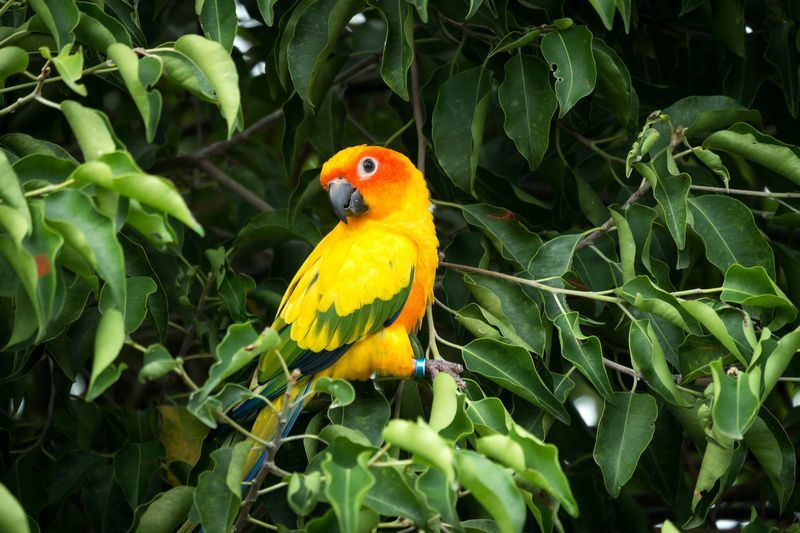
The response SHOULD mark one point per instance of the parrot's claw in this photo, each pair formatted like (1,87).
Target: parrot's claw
(434,366)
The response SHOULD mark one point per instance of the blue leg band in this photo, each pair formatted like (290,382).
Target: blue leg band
(419,367)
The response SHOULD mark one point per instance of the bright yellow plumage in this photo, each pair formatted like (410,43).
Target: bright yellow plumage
(350,308)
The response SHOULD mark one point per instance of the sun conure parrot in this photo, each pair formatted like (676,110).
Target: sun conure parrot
(350,308)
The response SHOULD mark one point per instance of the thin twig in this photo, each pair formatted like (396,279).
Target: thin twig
(418,118)
(37,90)
(608,224)
(259,203)
(592,145)
(269,464)
(745,192)
(257,127)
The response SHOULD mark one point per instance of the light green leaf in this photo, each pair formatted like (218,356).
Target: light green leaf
(303,491)
(494,488)
(714,163)
(13,518)
(753,287)
(642,294)
(315,33)
(92,235)
(69,67)
(157,363)
(107,344)
(218,19)
(139,75)
(60,17)
(570,51)
(11,194)
(736,401)
(398,49)
(445,401)
(391,496)
(422,8)
(218,494)
(730,234)
(13,60)
(709,318)
(220,71)
(624,431)
(346,486)
(460,108)
(627,246)
(165,512)
(744,140)
(648,358)
(528,103)
(512,368)
(606,10)
(91,128)
(423,441)
(340,390)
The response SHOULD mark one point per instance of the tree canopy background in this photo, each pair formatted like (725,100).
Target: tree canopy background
(616,190)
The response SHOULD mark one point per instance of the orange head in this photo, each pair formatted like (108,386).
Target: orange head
(371,182)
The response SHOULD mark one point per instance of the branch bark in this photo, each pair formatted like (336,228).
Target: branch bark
(209,168)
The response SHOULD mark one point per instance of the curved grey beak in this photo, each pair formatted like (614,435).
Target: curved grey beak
(345,199)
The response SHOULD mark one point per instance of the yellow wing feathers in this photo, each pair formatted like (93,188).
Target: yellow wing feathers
(352,283)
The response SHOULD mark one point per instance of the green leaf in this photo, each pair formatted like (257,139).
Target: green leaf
(303,491)
(513,41)
(642,294)
(69,67)
(648,358)
(153,191)
(461,107)
(60,17)
(220,71)
(554,258)
(533,460)
(710,319)
(391,496)
(445,401)
(139,289)
(614,84)
(92,235)
(13,518)
(422,8)
(340,390)
(736,401)
(489,416)
(439,494)
(511,238)
(774,358)
(721,463)
(218,494)
(240,346)
(107,344)
(624,431)
(773,449)
(494,488)
(398,49)
(134,465)
(627,246)
(743,140)
(315,33)
(157,363)
(754,287)
(702,114)
(218,19)
(528,103)
(347,484)
(511,367)
(570,51)
(13,60)
(139,75)
(714,163)
(91,128)
(423,441)
(11,193)
(584,352)
(606,10)
(266,8)
(165,512)
(509,308)
(783,55)
(729,233)
(671,193)
(94,33)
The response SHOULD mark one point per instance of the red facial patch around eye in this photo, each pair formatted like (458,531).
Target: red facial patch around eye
(42,265)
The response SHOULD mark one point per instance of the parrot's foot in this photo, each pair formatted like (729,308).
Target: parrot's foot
(434,366)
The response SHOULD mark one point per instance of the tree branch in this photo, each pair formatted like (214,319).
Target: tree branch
(209,168)
(33,95)
(258,126)
(608,224)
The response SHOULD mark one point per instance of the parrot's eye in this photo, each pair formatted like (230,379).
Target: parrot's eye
(367,167)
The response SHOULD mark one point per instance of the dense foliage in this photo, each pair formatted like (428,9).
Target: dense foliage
(614,189)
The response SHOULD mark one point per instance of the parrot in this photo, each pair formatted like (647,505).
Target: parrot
(351,307)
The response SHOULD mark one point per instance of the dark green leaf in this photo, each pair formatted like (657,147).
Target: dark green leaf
(398,46)
(218,19)
(570,52)
(218,493)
